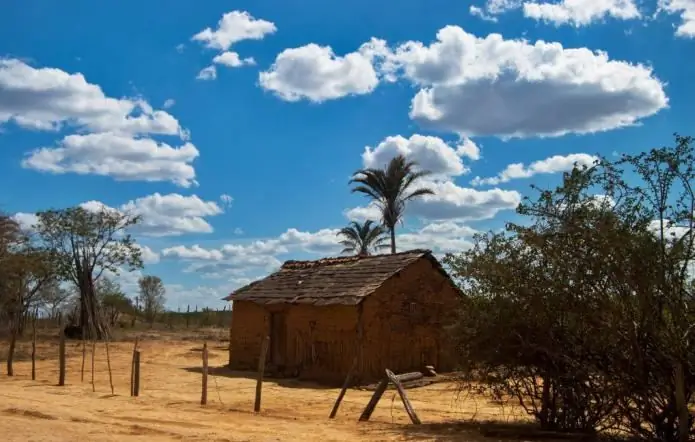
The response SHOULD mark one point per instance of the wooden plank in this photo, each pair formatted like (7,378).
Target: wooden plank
(369,409)
(346,384)
(401,392)
(261,372)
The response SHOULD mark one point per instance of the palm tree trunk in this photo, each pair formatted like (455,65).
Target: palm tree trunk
(392,229)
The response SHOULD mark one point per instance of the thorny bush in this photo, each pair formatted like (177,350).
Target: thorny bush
(583,312)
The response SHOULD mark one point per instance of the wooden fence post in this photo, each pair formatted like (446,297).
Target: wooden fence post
(132,368)
(204,393)
(61,357)
(136,374)
(346,384)
(33,344)
(261,372)
(404,397)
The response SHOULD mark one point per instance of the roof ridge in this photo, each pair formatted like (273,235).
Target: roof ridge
(331,260)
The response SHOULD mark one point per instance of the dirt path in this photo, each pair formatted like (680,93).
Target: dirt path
(169,409)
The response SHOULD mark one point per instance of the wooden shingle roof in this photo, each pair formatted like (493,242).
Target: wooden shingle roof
(328,281)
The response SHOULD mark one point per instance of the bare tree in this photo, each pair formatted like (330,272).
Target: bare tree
(151,296)
(87,243)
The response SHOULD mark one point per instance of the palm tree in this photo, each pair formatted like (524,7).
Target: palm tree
(391,188)
(361,238)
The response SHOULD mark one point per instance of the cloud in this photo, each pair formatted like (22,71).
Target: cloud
(149,256)
(226,200)
(169,102)
(554,164)
(166,215)
(469,149)
(250,260)
(118,156)
(208,73)
(686,10)
(26,221)
(232,60)
(50,98)
(563,12)
(430,153)
(317,74)
(477,11)
(450,201)
(233,27)
(581,12)
(520,89)
(193,252)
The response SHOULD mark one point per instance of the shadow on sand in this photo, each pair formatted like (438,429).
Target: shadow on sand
(224,371)
(486,432)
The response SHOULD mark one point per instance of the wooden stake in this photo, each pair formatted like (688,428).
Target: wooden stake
(261,372)
(136,374)
(94,350)
(371,405)
(84,356)
(204,393)
(346,384)
(108,363)
(401,392)
(132,368)
(33,345)
(61,357)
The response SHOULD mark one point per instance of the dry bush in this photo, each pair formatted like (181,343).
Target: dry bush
(584,313)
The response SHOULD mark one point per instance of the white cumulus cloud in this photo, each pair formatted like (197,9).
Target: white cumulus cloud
(581,12)
(233,27)
(519,89)
(50,98)
(686,10)
(119,156)
(554,164)
(315,73)
(166,215)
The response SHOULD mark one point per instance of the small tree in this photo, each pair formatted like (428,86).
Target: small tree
(151,296)
(362,239)
(53,297)
(113,301)
(391,189)
(87,243)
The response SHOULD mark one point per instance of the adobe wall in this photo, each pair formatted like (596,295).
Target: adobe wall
(320,342)
(405,319)
(249,328)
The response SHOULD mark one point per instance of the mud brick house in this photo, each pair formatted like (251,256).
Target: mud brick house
(389,311)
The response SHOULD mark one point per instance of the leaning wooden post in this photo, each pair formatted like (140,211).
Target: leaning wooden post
(346,384)
(84,356)
(108,363)
(94,350)
(261,372)
(204,393)
(136,374)
(132,368)
(61,357)
(33,345)
(401,392)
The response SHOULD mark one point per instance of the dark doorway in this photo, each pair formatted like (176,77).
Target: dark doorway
(278,339)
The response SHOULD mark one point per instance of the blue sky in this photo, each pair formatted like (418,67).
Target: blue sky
(233,127)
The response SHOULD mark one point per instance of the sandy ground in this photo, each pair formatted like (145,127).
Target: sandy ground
(169,404)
